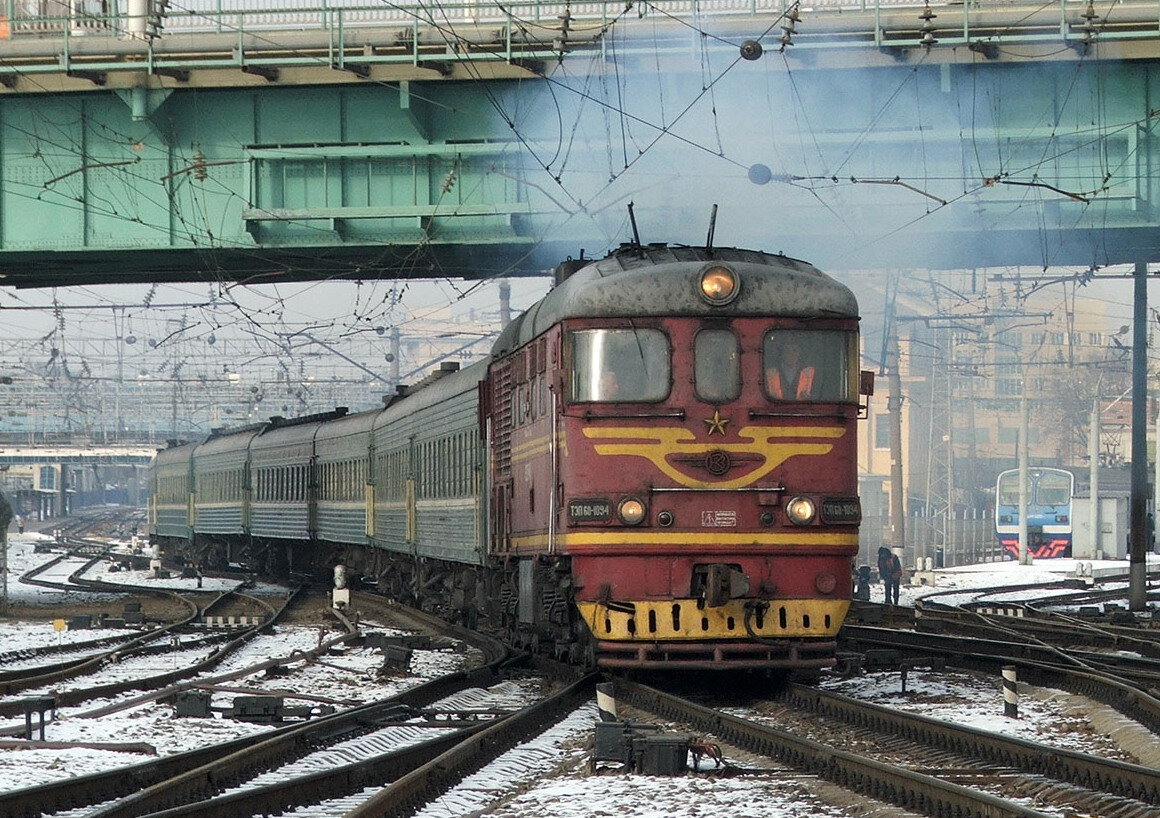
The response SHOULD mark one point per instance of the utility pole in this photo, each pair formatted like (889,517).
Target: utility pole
(1024,480)
(894,410)
(1094,457)
(1138,547)
(940,455)
(5,518)
(505,303)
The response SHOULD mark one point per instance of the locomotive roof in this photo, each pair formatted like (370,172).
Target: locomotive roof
(659,279)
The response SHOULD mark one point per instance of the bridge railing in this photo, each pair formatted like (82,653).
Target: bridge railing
(40,18)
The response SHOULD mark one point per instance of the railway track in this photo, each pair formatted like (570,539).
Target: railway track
(1012,626)
(1030,769)
(923,765)
(379,759)
(189,777)
(166,639)
(397,761)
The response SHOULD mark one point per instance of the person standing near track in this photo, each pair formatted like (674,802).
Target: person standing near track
(890,569)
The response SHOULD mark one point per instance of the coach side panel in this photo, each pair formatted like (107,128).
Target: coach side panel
(428,474)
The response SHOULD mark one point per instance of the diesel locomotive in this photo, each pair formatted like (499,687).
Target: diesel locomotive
(656,468)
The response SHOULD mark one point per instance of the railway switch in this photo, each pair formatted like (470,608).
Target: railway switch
(615,739)
(192,704)
(257,708)
(660,755)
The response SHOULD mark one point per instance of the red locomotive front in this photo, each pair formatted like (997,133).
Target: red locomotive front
(683,450)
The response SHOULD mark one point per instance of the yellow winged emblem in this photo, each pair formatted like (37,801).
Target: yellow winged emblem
(765,446)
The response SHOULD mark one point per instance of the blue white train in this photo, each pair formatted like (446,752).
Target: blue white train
(1049,517)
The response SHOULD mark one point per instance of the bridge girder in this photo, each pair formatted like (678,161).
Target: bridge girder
(403,152)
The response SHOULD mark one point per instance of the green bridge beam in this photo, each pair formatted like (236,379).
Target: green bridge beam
(225,151)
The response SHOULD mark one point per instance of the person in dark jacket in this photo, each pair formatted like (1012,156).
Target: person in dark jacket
(890,569)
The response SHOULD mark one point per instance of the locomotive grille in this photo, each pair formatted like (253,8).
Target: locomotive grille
(502,431)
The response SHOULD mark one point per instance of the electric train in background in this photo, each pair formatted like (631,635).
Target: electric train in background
(655,469)
(1049,517)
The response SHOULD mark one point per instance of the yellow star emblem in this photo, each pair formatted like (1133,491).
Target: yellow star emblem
(717,423)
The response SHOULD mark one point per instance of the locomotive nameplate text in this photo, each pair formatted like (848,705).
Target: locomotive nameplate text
(841,510)
(589,511)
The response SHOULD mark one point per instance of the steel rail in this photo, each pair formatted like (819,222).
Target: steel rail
(403,796)
(151,785)
(981,655)
(321,785)
(885,782)
(13,684)
(1082,769)
(80,695)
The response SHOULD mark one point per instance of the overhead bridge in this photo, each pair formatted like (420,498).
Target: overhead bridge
(249,141)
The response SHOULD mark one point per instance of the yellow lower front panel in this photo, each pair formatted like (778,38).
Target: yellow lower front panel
(682,619)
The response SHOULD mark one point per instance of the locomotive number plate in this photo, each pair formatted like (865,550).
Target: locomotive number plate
(841,510)
(588,511)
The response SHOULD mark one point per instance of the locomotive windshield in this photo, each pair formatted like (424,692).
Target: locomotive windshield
(717,363)
(629,365)
(1053,489)
(810,365)
(1009,489)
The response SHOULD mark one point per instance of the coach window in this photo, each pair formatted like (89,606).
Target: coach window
(717,365)
(810,365)
(619,365)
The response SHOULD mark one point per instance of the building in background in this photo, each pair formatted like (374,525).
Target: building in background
(967,357)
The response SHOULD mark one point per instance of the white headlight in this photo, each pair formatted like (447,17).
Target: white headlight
(719,285)
(800,510)
(631,511)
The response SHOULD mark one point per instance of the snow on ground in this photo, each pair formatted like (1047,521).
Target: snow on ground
(549,775)
(1010,572)
(348,675)
(977,702)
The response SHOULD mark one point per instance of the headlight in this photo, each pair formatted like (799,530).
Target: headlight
(800,510)
(631,511)
(719,285)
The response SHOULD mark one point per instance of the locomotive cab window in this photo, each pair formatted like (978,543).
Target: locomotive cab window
(1053,489)
(717,365)
(619,365)
(1009,489)
(810,365)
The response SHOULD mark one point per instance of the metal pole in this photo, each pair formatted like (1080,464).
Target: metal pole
(1137,559)
(1024,500)
(5,517)
(1010,692)
(606,701)
(1094,472)
(894,409)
